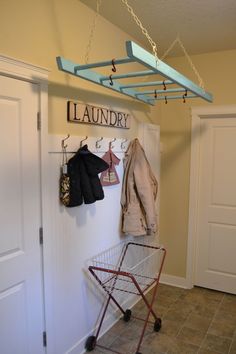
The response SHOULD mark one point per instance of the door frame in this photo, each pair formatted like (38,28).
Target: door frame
(18,69)
(198,113)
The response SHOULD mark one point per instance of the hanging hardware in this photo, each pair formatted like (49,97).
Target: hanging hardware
(185,95)
(164,85)
(143,29)
(81,142)
(139,55)
(111,81)
(122,145)
(113,66)
(155,94)
(92,30)
(41,235)
(38,121)
(98,145)
(136,54)
(44,339)
(154,46)
(63,146)
(166,100)
(178,40)
(110,143)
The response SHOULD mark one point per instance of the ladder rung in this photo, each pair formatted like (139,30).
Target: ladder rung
(103,63)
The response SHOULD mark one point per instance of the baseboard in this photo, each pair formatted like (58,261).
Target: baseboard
(174,281)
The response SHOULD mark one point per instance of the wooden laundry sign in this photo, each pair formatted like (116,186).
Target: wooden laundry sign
(83,113)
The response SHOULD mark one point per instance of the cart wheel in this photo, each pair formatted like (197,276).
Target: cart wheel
(157,325)
(127,315)
(90,343)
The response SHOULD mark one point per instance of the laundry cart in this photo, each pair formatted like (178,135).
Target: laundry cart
(130,268)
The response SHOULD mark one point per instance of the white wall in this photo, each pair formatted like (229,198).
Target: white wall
(78,234)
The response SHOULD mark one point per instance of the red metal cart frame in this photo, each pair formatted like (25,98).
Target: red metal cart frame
(132,268)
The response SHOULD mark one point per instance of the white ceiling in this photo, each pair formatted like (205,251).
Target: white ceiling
(203,25)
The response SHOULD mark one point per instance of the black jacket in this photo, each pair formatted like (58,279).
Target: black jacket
(83,169)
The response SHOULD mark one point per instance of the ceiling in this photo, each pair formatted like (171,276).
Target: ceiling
(203,25)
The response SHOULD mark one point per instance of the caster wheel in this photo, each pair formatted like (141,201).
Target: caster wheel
(90,343)
(127,315)
(138,353)
(157,325)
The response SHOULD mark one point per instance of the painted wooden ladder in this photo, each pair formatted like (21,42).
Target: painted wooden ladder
(135,54)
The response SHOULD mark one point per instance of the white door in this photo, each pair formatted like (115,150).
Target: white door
(21,296)
(215,266)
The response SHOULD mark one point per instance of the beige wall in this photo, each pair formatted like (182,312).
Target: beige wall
(219,74)
(37,31)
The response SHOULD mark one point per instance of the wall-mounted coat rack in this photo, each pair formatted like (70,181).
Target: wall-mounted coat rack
(185,88)
(70,144)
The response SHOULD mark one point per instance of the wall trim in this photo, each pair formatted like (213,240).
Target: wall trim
(22,70)
(173,280)
(198,113)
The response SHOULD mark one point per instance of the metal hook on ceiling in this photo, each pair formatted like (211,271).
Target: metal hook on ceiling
(113,65)
(185,95)
(111,81)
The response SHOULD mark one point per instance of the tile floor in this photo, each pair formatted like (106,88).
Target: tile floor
(193,321)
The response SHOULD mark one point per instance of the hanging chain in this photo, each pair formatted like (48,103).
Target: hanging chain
(178,40)
(86,57)
(146,34)
(143,29)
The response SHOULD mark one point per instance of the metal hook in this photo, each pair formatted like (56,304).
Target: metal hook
(122,146)
(113,65)
(81,142)
(111,81)
(185,95)
(155,93)
(110,143)
(164,85)
(63,146)
(98,145)
(166,100)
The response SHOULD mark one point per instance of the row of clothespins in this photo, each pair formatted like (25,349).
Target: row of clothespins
(119,144)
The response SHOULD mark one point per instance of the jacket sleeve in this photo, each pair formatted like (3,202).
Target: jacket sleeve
(146,187)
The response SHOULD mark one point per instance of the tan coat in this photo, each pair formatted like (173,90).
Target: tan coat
(139,192)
